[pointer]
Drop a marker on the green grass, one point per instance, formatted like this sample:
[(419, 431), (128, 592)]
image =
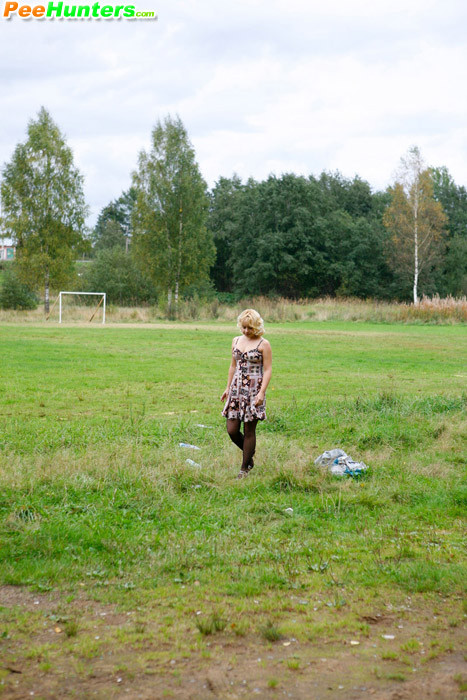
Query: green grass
[(94, 489), (211, 625), (270, 632)]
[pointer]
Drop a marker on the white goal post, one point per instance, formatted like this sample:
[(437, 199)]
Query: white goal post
[(99, 294)]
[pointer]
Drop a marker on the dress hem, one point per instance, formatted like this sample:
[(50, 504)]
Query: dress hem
[(249, 420)]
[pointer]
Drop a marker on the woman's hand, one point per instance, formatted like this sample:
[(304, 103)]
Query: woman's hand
[(259, 398), (224, 395)]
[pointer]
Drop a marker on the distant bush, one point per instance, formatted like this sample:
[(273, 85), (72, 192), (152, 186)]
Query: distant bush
[(200, 291), (14, 294), (115, 273), (228, 297)]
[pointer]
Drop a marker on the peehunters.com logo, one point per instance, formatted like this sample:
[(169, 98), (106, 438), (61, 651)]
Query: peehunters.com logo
[(58, 10)]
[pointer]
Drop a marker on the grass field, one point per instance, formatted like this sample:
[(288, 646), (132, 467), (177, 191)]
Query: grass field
[(124, 571)]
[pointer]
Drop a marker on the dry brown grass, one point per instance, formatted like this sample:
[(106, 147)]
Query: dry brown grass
[(434, 310), (449, 309)]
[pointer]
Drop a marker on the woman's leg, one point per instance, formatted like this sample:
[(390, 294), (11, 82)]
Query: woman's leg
[(233, 429), (249, 444)]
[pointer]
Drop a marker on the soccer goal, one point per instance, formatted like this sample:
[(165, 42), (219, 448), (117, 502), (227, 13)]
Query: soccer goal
[(95, 294)]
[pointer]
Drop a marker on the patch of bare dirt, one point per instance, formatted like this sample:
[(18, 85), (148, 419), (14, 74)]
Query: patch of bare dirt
[(224, 667)]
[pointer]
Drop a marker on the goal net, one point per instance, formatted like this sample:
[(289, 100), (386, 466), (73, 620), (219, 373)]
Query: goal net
[(100, 305)]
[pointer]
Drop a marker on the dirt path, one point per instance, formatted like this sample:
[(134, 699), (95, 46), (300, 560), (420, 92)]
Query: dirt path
[(117, 654)]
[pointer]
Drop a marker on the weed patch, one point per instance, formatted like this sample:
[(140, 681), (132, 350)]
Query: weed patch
[(270, 632)]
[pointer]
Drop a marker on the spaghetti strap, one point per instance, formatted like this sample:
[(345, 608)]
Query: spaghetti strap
[(236, 341), (259, 343)]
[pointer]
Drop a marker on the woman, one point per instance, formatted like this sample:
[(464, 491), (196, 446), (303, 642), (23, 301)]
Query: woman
[(245, 394)]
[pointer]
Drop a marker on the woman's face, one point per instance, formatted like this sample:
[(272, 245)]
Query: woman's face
[(247, 331)]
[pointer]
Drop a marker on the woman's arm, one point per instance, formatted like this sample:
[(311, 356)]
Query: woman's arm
[(267, 372), (232, 368)]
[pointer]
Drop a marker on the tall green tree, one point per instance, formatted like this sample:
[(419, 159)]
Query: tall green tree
[(453, 198), (169, 218), (224, 216), (113, 226), (298, 236), (276, 251), (43, 206), (352, 196), (415, 219)]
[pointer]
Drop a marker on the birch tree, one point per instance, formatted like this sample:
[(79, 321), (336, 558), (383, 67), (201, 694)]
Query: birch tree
[(43, 206), (169, 217), (415, 220)]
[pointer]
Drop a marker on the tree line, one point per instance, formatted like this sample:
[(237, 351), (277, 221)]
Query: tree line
[(168, 236)]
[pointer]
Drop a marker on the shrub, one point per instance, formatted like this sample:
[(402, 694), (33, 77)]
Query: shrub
[(14, 294), (116, 273)]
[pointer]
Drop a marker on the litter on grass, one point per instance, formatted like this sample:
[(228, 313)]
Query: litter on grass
[(187, 444), (340, 464), (193, 463)]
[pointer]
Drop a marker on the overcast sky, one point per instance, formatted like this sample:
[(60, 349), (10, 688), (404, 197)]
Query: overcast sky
[(262, 86)]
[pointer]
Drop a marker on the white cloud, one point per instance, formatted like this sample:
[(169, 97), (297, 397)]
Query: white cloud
[(277, 86)]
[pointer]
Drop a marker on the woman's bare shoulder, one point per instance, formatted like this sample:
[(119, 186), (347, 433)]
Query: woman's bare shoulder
[(266, 342)]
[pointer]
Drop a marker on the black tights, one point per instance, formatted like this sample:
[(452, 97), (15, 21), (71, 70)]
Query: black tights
[(246, 441)]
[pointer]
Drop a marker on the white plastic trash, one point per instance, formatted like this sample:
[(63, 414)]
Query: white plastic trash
[(187, 444), (328, 457), (193, 463), (340, 464)]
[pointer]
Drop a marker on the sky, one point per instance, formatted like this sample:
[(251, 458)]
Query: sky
[(261, 86)]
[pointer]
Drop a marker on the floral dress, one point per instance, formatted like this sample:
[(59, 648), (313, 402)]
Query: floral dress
[(245, 385)]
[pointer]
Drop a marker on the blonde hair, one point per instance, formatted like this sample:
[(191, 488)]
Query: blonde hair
[(251, 318)]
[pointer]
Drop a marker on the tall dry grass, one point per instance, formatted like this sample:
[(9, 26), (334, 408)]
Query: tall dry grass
[(430, 310)]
